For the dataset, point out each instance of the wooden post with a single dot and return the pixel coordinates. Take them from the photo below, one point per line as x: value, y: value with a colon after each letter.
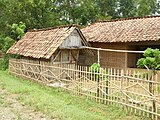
x: 97, y: 77
x: 98, y: 61
x: 126, y: 61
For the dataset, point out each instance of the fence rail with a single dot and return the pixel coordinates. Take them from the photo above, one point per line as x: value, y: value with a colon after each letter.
x: 136, y: 92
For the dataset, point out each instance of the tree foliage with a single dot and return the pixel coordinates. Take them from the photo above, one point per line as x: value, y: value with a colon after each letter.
x: 151, y: 59
x: 16, y: 32
x: 47, y: 13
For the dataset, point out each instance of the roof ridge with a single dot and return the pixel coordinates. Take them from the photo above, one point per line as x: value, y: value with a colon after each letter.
x: 129, y: 18
x: 50, y: 28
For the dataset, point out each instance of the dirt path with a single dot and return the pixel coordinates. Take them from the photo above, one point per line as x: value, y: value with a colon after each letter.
x: 11, y: 109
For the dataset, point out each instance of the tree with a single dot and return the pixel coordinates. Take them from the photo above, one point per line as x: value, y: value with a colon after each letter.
x: 146, y: 7
x: 34, y: 13
x: 5, y: 44
x: 77, y: 11
x: 126, y: 8
x: 107, y: 8
x: 17, y: 32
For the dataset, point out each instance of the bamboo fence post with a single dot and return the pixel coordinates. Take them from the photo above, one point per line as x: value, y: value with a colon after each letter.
x: 121, y: 87
x: 98, y: 79
x: 156, y: 80
x: 127, y: 82
x: 98, y: 61
x: 41, y: 71
x: 151, y: 90
x: 111, y: 86
x: 106, y: 84
x: 77, y: 79
x: 89, y: 70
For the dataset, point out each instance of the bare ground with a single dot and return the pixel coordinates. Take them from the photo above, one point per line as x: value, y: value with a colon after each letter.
x: 11, y: 109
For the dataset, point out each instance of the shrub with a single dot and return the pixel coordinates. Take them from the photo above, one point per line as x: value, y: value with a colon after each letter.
x: 151, y: 60
x: 4, y: 62
x: 95, y: 67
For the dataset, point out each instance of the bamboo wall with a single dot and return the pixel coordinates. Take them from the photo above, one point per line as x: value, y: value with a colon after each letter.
x: 112, y: 59
x: 134, y: 91
x: 87, y: 57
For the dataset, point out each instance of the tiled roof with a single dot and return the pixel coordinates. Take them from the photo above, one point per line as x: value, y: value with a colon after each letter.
x: 41, y: 43
x: 124, y: 30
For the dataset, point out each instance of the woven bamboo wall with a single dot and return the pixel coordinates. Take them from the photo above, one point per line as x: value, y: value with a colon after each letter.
x: 87, y: 57
x: 112, y: 59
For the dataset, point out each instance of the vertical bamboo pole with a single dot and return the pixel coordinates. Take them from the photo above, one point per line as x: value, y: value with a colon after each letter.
x: 127, y: 82
x: 77, y: 85
x: 98, y: 61
x: 156, y: 92
x: 148, y: 107
x: 114, y: 81
x: 97, y: 80
x: 121, y: 87
x: 109, y: 89
x: 107, y: 85
x: 151, y: 90
x: 144, y: 83
x: 111, y: 85
x: 80, y: 80
x: 117, y: 83
x: 91, y: 78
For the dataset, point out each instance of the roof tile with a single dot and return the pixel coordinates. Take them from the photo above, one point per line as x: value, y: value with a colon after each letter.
x: 41, y: 43
x: 126, y: 30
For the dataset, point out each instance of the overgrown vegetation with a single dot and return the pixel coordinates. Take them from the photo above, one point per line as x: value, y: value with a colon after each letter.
x: 16, y: 32
x: 59, y: 105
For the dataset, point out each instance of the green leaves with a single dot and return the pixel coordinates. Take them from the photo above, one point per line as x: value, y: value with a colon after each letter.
x: 8, y: 42
x: 95, y: 68
x: 151, y: 60
x: 18, y: 29
x: 148, y: 52
x: 141, y: 62
x: 49, y: 13
x: 146, y: 7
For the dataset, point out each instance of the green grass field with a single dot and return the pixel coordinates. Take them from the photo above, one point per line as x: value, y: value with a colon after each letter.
x: 58, y: 105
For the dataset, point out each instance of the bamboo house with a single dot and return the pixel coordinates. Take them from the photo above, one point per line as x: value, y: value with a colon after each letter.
x: 58, y: 45
x: 134, y: 34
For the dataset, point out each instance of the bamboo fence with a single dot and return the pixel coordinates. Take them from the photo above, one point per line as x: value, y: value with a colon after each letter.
x: 135, y: 92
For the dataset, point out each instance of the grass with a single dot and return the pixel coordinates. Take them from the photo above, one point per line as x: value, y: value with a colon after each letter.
x: 59, y: 105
